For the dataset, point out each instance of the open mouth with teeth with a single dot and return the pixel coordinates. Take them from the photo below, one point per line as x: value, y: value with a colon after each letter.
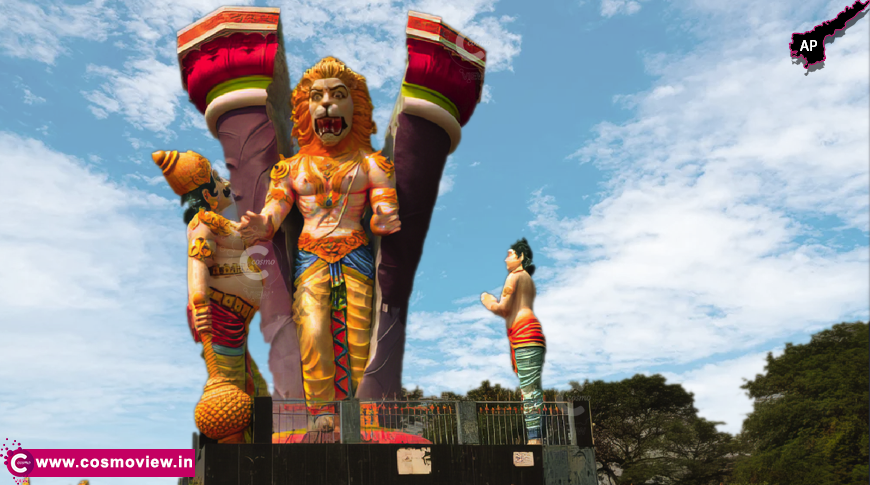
x: 329, y: 125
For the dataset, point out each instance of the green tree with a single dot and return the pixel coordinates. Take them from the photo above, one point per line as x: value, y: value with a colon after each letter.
x: 488, y: 392
x: 451, y: 396
x: 414, y: 395
x: 700, y: 454
x: 809, y: 425
x: 633, y: 419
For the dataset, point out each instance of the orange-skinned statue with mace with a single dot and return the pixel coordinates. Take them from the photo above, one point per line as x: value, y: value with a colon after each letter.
x: 224, y: 290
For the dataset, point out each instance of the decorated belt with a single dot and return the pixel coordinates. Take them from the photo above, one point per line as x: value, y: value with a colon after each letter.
x: 232, y: 303
x: 228, y: 269
x: 333, y: 248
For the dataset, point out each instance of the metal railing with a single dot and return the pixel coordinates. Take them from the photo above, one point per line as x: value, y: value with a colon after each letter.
x: 296, y: 422
x: 503, y: 423
x: 436, y: 422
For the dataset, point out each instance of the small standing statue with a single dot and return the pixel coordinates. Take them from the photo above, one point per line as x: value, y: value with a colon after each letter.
x: 224, y: 291
x: 526, y: 337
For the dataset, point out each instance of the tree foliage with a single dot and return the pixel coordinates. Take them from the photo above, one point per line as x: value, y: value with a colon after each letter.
x: 648, y: 431
x: 699, y: 454
x: 809, y: 425
x: 488, y: 392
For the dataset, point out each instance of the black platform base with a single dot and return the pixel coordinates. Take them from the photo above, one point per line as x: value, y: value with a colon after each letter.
x: 365, y: 464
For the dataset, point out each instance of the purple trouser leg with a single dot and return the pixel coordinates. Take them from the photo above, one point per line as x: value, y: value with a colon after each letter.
x: 420, y: 152
x: 250, y: 150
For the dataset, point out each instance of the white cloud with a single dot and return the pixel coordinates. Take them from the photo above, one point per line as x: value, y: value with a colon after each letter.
x: 376, y: 57
x: 36, y: 30
x: 486, y: 96
x: 194, y: 120
x: 147, y: 90
x: 93, y: 296
x: 370, y: 36
x: 703, y: 240
x: 795, y: 142
x: 148, y: 179
x: 153, y: 24
x: 470, y: 342
x: 718, y: 396
x: 381, y: 116
x: 609, y: 8
x: 146, y: 93
x: 448, y: 178
x: 30, y: 98
x: 445, y: 185
x: 699, y: 245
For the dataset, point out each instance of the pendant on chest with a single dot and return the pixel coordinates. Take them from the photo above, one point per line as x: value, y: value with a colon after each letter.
x: 331, y: 200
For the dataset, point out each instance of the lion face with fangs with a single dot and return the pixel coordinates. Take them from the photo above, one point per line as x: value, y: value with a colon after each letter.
x: 332, y: 110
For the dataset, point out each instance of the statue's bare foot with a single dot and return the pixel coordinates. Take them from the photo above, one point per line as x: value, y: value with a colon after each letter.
x: 324, y: 424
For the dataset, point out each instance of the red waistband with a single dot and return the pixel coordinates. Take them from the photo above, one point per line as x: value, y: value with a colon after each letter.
x: 526, y: 332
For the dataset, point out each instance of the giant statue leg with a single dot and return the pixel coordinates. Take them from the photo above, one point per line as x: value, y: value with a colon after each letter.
x: 311, y: 309
x: 250, y: 151
x: 443, y: 83
x: 360, y: 292
x: 234, y: 69
x: 223, y: 412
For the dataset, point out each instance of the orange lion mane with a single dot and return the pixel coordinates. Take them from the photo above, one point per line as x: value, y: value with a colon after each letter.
x: 362, y: 127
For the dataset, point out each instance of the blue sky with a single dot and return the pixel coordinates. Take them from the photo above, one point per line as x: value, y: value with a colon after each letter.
x: 693, y: 199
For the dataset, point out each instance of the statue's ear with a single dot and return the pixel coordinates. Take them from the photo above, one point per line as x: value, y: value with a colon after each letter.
x: 211, y: 200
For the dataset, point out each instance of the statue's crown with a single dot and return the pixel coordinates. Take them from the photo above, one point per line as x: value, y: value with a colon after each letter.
x: 183, y: 171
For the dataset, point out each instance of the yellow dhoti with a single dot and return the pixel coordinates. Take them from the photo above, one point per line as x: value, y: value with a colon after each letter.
x: 332, y: 311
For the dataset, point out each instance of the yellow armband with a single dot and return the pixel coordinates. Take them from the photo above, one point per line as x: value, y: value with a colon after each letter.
x: 279, y: 194
x: 201, y: 249
x: 384, y: 196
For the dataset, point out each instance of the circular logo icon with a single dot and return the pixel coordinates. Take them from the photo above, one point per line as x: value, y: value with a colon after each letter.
x: 20, y: 462
x: 246, y: 258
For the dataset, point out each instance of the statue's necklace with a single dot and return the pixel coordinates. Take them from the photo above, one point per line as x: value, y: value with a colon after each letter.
x: 332, y: 171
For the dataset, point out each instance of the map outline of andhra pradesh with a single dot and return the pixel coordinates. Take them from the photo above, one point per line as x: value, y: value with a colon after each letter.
x: 810, y: 45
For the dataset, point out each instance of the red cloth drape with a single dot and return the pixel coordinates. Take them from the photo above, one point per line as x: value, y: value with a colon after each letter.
x: 432, y: 66
x: 227, y: 58
x: 525, y: 333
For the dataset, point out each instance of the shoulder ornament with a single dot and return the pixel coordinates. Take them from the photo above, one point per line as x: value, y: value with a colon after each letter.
x: 279, y: 194
x: 383, y: 163
x: 194, y: 223
x: 218, y: 224
x: 200, y: 248
x: 280, y: 170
